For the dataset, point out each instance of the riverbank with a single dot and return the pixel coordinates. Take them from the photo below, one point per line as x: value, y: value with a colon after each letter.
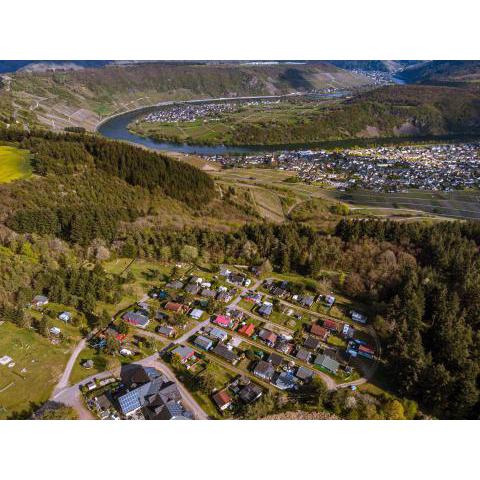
x: 117, y: 127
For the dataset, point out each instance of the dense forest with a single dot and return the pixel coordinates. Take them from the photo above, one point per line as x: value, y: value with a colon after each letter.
x: 67, y: 153
x: 90, y: 185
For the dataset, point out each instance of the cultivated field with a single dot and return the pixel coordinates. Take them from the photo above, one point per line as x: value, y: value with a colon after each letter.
x: 412, y: 204
x: 14, y: 164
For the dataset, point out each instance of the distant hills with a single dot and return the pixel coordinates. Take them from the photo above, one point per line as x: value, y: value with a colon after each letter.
x: 394, y: 111
x: 10, y: 66
x: 64, y: 94
x: 443, y: 71
x: 82, y: 97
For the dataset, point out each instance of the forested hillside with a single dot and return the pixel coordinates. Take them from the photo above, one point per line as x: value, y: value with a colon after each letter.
x: 443, y: 71
x: 88, y: 185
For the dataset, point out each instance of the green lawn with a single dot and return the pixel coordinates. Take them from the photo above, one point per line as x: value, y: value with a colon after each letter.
x: 221, y: 375
x: 14, y: 164
x: 146, y: 274
x: 337, y: 341
x: 38, y: 366
x: 101, y: 363
x: 222, y: 378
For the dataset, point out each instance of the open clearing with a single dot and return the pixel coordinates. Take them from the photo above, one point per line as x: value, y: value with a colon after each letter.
x: 38, y: 365
x: 268, y: 204
x: 14, y: 164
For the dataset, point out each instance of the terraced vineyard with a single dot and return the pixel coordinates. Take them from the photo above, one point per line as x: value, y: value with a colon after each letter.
x: 461, y: 204
x: 412, y: 204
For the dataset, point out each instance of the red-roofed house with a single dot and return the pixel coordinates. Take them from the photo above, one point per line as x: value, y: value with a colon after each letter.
x: 319, y: 331
x: 223, y: 321
x: 330, y: 325
x: 176, y: 307
x: 268, y: 337
x: 222, y: 399
x: 247, y: 329
x: 365, y: 351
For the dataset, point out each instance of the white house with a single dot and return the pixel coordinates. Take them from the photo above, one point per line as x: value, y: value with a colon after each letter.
x: 55, y: 331
x: 358, y: 317
x: 65, y: 316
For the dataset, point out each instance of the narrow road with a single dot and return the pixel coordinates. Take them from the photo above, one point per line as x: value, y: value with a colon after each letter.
x: 189, y: 402
x: 191, y: 332
x: 64, y: 379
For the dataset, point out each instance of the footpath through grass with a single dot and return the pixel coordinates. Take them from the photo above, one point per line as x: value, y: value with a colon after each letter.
x: 14, y: 164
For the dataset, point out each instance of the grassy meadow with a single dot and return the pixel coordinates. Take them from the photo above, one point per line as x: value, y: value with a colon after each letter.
x: 14, y: 164
x: 38, y: 366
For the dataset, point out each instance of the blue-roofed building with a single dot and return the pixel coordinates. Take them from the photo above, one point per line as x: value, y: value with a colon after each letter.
x: 135, y: 318
x: 217, y: 333
x: 184, y: 353
x: 196, y: 313
x: 286, y: 381
x: 65, y: 316
x: 358, y: 317
x: 266, y: 309
x: 203, y: 342
x: 328, y: 363
x: 149, y: 393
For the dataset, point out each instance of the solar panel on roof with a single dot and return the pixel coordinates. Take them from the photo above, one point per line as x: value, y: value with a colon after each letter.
x: 129, y: 402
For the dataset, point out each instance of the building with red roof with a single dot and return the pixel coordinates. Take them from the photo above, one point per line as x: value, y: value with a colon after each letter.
x: 222, y: 399
x: 223, y: 321
x: 176, y: 307
x: 319, y: 331
x: 365, y: 351
x: 330, y: 325
x: 248, y: 329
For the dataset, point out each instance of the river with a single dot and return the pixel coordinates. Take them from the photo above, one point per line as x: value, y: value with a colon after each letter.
x: 116, y: 128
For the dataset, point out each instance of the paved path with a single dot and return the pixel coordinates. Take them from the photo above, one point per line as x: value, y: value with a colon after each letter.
x: 191, y: 332
x: 72, y: 396
x: 64, y: 379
